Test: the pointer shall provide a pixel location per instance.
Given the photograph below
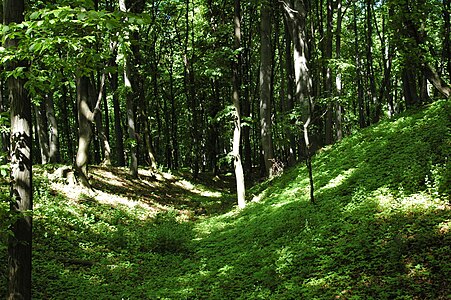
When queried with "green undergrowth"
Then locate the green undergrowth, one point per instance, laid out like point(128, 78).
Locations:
point(380, 229)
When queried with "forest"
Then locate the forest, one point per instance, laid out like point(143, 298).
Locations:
point(199, 149)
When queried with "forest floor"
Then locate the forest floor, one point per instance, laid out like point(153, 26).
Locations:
point(380, 228)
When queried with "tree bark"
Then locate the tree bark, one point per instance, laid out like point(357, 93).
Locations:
point(360, 98)
point(105, 145)
point(446, 41)
point(41, 127)
point(54, 150)
point(21, 205)
point(432, 75)
point(265, 88)
point(296, 19)
point(239, 174)
point(66, 123)
point(338, 80)
point(119, 138)
point(369, 63)
point(85, 117)
point(328, 73)
point(130, 113)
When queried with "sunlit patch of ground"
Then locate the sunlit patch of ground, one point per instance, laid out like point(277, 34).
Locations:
point(154, 191)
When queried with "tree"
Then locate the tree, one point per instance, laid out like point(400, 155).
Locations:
point(130, 115)
point(239, 174)
point(296, 16)
point(265, 87)
point(19, 243)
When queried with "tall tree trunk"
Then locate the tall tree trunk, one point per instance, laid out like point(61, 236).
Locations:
point(328, 73)
point(246, 95)
point(239, 174)
point(41, 127)
point(130, 112)
point(66, 123)
point(190, 92)
point(106, 150)
point(360, 98)
point(447, 33)
point(85, 117)
point(19, 243)
point(290, 95)
point(3, 108)
point(265, 87)
point(117, 120)
point(338, 80)
point(370, 65)
point(54, 147)
point(296, 18)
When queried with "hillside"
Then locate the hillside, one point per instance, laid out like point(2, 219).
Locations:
point(380, 228)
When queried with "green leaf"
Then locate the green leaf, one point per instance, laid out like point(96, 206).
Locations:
point(35, 15)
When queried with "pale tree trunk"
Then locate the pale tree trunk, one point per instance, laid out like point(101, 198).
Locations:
point(85, 117)
point(129, 106)
point(265, 87)
point(239, 174)
point(296, 18)
point(21, 205)
point(433, 77)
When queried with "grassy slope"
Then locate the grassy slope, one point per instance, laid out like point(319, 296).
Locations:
point(380, 230)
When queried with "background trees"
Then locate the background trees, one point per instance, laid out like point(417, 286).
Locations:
point(169, 67)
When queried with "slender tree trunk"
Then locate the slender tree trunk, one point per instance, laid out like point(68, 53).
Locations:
point(370, 65)
point(117, 120)
point(190, 92)
point(54, 146)
point(66, 123)
point(447, 34)
point(4, 135)
point(328, 73)
point(130, 112)
point(360, 98)
point(41, 127)
point(239, 174)
point(265, 87)
point(21, 205)
point(106, 150)
point(246, 95)
point(290, 95)
point(338, 80)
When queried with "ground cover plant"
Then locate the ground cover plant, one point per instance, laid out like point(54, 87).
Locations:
point(380, 228)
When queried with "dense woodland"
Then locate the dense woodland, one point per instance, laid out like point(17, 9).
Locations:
point(209, 87)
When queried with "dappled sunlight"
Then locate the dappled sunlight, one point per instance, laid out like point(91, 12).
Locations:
point(338, 180)
point(184, 184)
